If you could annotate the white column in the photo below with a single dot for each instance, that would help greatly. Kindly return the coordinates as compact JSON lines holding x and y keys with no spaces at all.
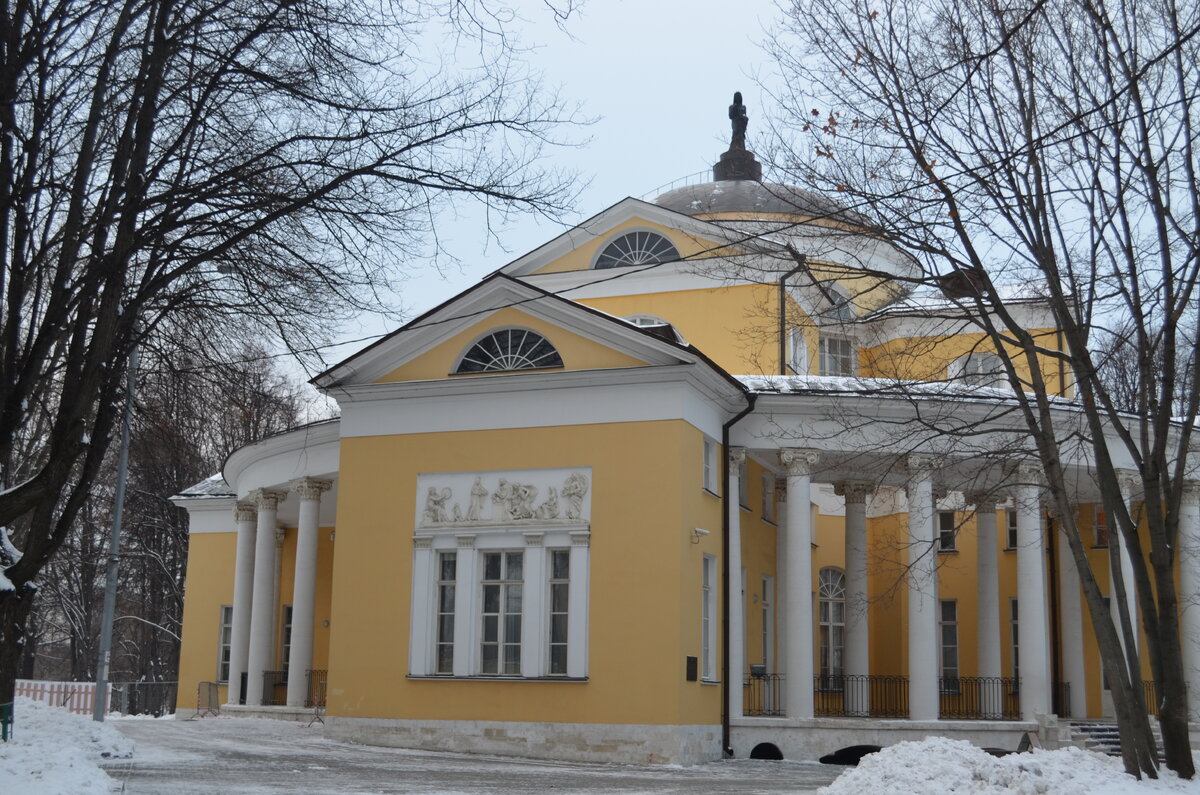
{"x":276,"y":603}
{"x":923,"y":668}
{"x":1128,"y":484}
{"x":798,"y":676}
{"x":304,"y":592}
{"x":736,"y":663}
{"x":422,"y":640}
{"x":245,"y":515}
{"x":534,"y":629}
{"x":262,"y":620}
{"x":781,"y":614}
{"x":577,"y":605}
{"x":1032,"y":621}
{"x":1070,"y":612}
{"x":858,"y":638}
{"x":987,"y":581}
{"x":1189,"y":593}
{"x":465,"y":592}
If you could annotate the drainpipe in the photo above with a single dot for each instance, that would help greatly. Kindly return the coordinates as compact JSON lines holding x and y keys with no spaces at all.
{"x":801,"y":264}
{"x":726,"y":745}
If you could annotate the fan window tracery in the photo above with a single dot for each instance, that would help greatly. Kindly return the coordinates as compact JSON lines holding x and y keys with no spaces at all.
{"x":637,"y":248}
{"x":509,"y":349}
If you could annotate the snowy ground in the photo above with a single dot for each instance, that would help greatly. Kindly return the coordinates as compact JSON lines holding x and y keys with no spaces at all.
{"x":55,"y":753}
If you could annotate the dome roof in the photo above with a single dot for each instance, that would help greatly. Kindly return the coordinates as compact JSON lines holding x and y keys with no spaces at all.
{"x":751,"y":196}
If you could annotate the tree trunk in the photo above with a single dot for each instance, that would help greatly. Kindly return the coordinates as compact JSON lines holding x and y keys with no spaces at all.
{"x":14,"y":610}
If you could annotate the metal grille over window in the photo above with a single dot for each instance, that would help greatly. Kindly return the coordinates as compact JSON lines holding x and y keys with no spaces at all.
{"x":560,"y":581}
{"x":502,"y":582}
{"x":509,"y":349}
{"x":637,"y":248}
{"x":447,"y":570}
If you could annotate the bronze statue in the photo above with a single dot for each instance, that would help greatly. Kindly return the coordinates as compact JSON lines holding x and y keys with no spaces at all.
{"x":737,"y":115}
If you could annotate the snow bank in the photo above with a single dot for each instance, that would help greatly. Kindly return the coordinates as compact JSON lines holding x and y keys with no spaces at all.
{"x":939,"y":765}
{"x":53,"y":752}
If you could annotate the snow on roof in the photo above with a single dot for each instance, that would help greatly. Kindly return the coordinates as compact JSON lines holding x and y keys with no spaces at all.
{"x":928,"y":300}
{"x":212,"y":487}
{"x":886,"y":387}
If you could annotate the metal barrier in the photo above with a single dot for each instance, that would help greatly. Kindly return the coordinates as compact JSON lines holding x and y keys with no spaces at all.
{"x":317,"y":679}
{"x":978,"y":698}
{"x":143,"y":698}
{"x":208,"y":701}
{"x":841,"y":696}
{"x":763,"y":695}
{"x":274,"y":688}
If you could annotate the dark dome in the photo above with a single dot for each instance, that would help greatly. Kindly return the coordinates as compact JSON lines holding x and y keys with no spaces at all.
{"x":750,"y":196}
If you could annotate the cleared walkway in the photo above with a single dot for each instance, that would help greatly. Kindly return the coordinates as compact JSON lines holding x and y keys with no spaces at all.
{"x":249,"y":756}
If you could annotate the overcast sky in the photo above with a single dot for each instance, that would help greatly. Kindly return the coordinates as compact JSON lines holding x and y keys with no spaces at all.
{"x":658,"y":77}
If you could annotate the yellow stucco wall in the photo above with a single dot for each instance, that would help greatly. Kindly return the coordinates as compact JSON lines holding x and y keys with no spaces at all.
{"x":642,"y":558}
{"x":577,"y":352}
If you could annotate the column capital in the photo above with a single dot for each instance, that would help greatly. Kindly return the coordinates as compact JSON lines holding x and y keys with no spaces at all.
{"x":267,"y":499}
{"x":985,"y":501}
{"x":918,"y":464}
{"x":465,"y":542}
{"x":245,"y":512}
{"x":1190,"y":494}
{"x":799,"y":461}
{"x":580,"y":538}
{"x":1027,"y":473}
{"x":736,"y":455}
{"x":1129,"y":481}
{"x":855,"y":491}
{"x":310,"y":488}
{"x":534,"y":539}
{"x":423,"y":542}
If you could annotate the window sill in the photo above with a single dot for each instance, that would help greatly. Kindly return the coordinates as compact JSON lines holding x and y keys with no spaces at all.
{"x":710,"y":681}
{"x":491,"y":678}
{"x":947,"y":551}
{"x":710,"y":492}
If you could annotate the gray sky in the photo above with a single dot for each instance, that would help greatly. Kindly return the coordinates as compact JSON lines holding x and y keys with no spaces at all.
{"x":657,"y":75}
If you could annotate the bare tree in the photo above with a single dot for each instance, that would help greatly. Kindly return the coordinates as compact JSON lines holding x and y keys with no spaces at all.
{"x":276,"y":161}
{"x":1050,"y":144}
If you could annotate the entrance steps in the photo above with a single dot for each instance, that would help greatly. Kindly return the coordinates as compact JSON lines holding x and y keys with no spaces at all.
{"x":1104,"y":737}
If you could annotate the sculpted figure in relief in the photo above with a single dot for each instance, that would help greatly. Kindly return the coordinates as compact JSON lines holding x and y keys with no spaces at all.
{"x":573,"y":489}
{"x":549,"y":508}
{"x":435,"y":505}
{"x":478,"y":495}
{"x":516,"y":498}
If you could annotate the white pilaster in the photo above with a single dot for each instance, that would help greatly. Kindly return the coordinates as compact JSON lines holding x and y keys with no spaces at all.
{"x":857,"y":694}
{"x":1032,"y":621}
{"x":987,"y":582}
{"x":1189,"y":593}
{"x":577,"y":605}
{"x":262,"y":607}
{"x":737,"y":599}
{"x":245,"y":516}
{"x":1071,"y":626}
{"x":534,"y":628}
{"x":781,"y":614}
{"x":923,"y":668}
{"x":304,"y":591}
{"x":465,"y":592}
{"x":798,"y":676}
{"x":422,"y":641}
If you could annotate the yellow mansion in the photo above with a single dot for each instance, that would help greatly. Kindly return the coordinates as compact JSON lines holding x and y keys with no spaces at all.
{"x":653,"y":492}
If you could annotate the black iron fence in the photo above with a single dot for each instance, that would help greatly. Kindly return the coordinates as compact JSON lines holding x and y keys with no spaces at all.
{"x":844,"y":696}
{"x":317,"y":679}
{"x":274,"y":688}
{"x":978,"y":698}
{"x":142,"y":698}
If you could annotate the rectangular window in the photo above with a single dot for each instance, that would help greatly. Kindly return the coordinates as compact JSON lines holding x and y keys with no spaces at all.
{"x":768,"y":497}
{"x":708,"y":617}
{"x":799,"y":352}
{"x":560,"y":585}
{"x":226,"y":642}
{"x":1100,"y":526}
{"x":946,"y":531}
{"x":710,"y":465}
{"x":285,"y":648}
{"x":447,"y":576}
{"x":1016,"y":649}
{"x":837,"y":355}
{"x":500,"y":649}
{"x":1011,"y":514}
{"x":948,"y":621}
{"x":768,"y":622}
{"x":744,"y":483}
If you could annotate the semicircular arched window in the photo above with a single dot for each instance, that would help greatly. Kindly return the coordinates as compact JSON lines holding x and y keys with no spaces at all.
{"x":509,"y":349}
{"x":637,"y":248}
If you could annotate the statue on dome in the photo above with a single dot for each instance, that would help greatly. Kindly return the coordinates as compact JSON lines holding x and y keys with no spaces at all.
{"x":739,"y":120}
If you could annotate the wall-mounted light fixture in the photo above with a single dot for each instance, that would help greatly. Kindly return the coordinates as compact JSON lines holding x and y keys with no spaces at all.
{"x":698,"y":534}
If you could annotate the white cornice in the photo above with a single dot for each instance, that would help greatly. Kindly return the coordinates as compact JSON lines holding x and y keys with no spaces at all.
{"x":311,"y":438}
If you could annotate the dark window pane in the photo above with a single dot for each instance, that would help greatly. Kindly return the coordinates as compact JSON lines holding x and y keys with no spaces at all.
{"x":446,"y":603}
{"x":558,"y":629}
{"x":490,"y":659}
{"x":446,"y":628}
{"x":491,"y":598}
{"x":561,"y":565}
{"x":558,"y":598}
{"x":491,"y":625}
{"x":512,"y":629}
{"x":491,"y":566}
{"x":514,"y":566}
{"x":513,"y":596}
{"x":558,"y":659}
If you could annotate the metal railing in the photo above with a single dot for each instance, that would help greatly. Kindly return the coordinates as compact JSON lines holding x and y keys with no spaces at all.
{"x":844,"y":696}
{"x":978,"y":698}
{"x":763,"y":695}
{"x":208,"y":701}
{"x":143,"y":698}
{"x":274,"y":688}
{"x":317,"y":680}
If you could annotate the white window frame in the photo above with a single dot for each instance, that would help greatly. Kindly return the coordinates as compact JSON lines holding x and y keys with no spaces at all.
{"x":798,"y":354}
{"x":224,"y":644}
{"x":831,"y":623}
{"x":947,"y":540}
{"x":947,"y":673}
{"x":285,"y":635}
{"x":1016,"y":649}
{"x":978,"y":368}
{"x":1010,"y":519}
{"x":469,"y":546}
{"x":708,"y":619}
{"x":710,"y":473}
{"x":445,"y":585}
{"x":744,"y":483}
{"x":838,"y":363}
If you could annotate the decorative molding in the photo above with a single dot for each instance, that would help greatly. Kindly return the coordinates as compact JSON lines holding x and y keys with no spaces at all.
{"x":534,"y":539}
{"x":268,"y":499}
{"x":985,"y":501}
{"x":736,"y":456}
{"x":855,"y":491}
{"x":512,"y":499}
{"x":245,"y":512}
{"x":799,"y":461}
{"x":423,"y":542}
{"x":1130,"y":483}
{"x":465,"y":541}
{"x":581,"y":538}
{"x":310,"y":488}
{"x":1028,"y":473}
{"x":921,"y":464}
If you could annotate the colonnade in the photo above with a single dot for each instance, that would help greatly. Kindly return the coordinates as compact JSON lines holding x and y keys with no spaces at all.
{"x":794,"y":575}
{"x":259,"y":537}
